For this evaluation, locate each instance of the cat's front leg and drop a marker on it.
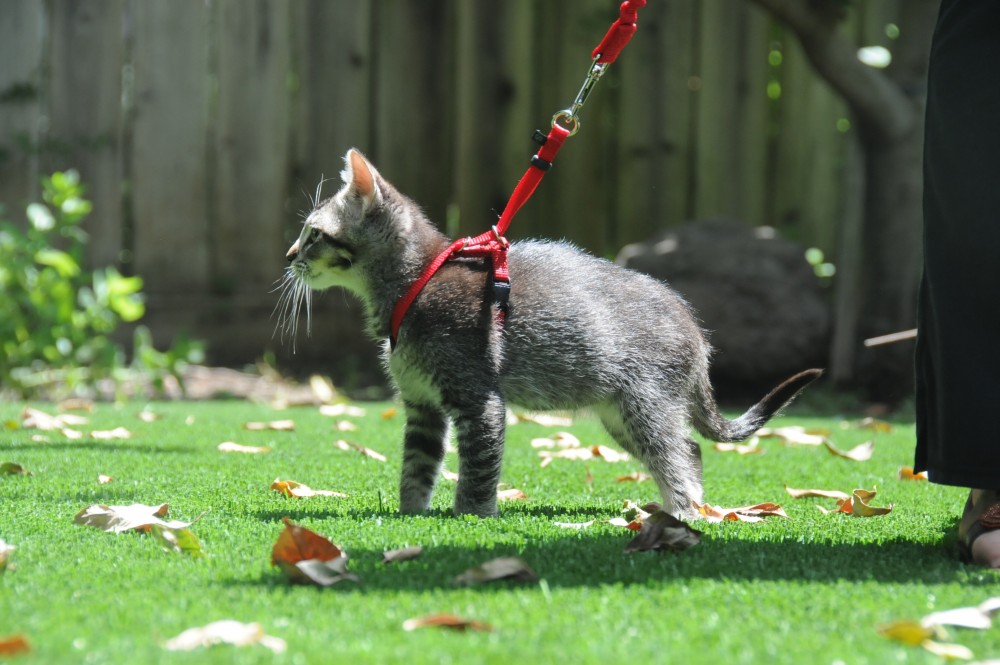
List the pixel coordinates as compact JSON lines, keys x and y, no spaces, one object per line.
{"x":423,"y":452}
{"x":480,"y":427}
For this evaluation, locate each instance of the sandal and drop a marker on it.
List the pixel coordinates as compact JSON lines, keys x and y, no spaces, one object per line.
{"x":981,"y":515}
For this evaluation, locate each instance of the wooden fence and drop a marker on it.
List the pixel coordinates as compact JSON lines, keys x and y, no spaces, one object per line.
{"x":201,"y":125}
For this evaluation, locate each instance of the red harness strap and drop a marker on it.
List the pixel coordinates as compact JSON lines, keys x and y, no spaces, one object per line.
{"x":493,"y":244}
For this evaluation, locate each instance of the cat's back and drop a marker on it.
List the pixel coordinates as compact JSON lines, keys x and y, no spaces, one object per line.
{"x":582,"y":321}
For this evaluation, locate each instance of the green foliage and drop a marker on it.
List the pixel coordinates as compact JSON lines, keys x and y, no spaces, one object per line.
{"x":57,"y":319}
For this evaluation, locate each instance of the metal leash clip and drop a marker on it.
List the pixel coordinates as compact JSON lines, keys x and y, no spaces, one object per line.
{"x":567,"y":118}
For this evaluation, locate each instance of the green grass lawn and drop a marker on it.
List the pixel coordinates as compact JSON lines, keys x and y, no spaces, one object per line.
{"x":809,"y":589}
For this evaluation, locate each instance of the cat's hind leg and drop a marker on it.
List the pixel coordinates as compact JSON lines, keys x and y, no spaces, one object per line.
{"x":656,"y":434}
{"x":423,"y":452}
{"x":480,"y":425}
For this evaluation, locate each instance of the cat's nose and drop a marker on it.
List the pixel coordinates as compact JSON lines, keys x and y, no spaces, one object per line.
{"x":293,"y":251}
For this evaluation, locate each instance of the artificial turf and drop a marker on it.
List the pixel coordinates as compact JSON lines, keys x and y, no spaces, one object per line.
{"x":809,"y":589}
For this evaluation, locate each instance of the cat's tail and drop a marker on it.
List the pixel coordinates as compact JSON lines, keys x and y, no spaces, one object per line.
{"x":710,"y":423}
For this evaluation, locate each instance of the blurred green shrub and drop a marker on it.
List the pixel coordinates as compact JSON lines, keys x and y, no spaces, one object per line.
{"x":56,"y":319}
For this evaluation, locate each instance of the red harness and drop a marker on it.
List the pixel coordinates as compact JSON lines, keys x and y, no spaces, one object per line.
{"x":493,"y":244}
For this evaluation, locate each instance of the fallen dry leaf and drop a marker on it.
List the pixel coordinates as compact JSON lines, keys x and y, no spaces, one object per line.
{"x":823,"y":494}
{"x":147,"y":416}
{"x":511,"y":495}
{"x":504,"y":568}
{"x":116,"y":433}
{"x":603,"y":452}
{"x":575,"y":525}
{"x":609,"y":454}
{"x":232,"y":447}
{"x":353,"y":447}
{"x":449,"y":475}
{"x":446,"y":621}
{"x":663,"y":532}
{"x":291,"y":488}
{"x":13,"y":469}
{"x":755,"y":513}
{"x":322,"y":388}
{"x":308,"y":558}
{"x":13,"y":645}
{"x":389,"y":413}
{"x":795,"y":435}
{"x":634,"y":477}
{"x":543,"y":419}
{"x":857,"y":505}
{"x":873,"y":424}
{"x":859,"y":453}
{"x":557,"y":440}
{"x":274,"y":425}
{"x":751,"y":447}
{"x":225,"y":632}
{"x":118,"y":519}
{"x":345,"y":426}
{"x":35,"y":419}
{"x":979,"y":617}
{"x":103,"y":479}
{"x":906,"y":473}
{"x":633,"y":515}
{"x":182,"y":541}
{"x":914,"y":633}
{"x":339,"y":410}
{"x":402,"y":554}
{"x":76,"y":404}
{"x":5,"y":550}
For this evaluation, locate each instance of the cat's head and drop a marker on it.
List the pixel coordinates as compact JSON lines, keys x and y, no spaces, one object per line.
{"x":336,"y":233}
{"x":351,"y":239}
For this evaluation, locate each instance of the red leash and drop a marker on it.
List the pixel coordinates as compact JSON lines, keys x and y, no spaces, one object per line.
{"x":565,"y":123}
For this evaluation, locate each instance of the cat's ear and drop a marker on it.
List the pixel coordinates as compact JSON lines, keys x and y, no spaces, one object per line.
{"x":361,"y":177}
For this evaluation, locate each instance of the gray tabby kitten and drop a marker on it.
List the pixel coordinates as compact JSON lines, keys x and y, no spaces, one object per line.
{"x":580,"y":332}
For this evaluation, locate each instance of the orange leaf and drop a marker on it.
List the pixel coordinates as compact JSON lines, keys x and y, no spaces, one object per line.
{"x":446,"y":621}
{"x":755,"y":513}
{"x":308,"y":558}
{"x":511,"y":495}
{"x":14,"y":644}
{"x":290,"y":488}
{"x":389,"y":413}
{"x":906,"y":473}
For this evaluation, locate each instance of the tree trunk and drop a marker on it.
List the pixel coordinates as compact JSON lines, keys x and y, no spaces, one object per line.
{"x":881,"y":263}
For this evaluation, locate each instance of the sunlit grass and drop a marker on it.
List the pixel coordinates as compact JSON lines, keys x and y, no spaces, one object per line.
{"x":810,"y":589}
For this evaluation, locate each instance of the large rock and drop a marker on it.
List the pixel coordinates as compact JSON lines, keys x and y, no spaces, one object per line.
{"x":765,"y":311}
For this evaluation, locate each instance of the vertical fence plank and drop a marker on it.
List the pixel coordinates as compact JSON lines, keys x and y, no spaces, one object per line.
{"x":169,"y":146}
{"x":413,"y":87}
{"x":251,"y":146}
{"x":577,"y":199}
{"x":654,"y":143}
{"x":85,"y":112}
{"x":493,"y":108}
{"x":22,"y":24}
{"x":753,"y":117}
{"x":333,"y":105}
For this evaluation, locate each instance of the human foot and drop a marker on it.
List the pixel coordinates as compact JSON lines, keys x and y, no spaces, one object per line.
{"x":979,"y":530}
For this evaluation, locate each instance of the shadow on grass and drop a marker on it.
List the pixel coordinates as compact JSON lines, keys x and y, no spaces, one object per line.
{"x":93,"y":444}
{"x":595,"y":557}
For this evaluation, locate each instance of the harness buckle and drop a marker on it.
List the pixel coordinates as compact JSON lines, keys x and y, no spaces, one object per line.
{"x":501,"y":295}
